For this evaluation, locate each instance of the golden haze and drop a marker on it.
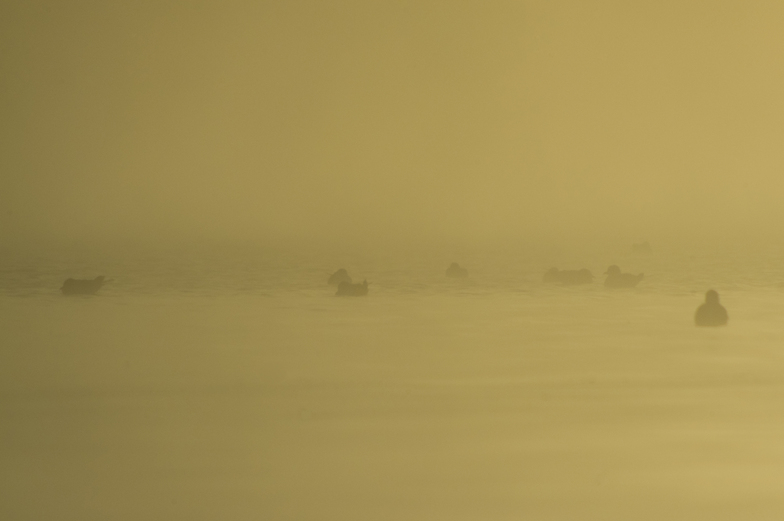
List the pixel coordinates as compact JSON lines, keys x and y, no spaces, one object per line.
{"x":409,"y":119}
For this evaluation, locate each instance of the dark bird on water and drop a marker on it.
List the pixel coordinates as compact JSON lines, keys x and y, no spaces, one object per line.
{"x":568,"y":277}
{"x":82,"y":286}
{"x":347,"y":289}
{"x":616,"y":279}
{"x":339,"y":276}
{"x":456,"y":272}
{"x":711,"y":313}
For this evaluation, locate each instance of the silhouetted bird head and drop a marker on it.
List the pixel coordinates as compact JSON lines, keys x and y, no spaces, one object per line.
{"x":613,"y":270}
{"x":711,"y":297}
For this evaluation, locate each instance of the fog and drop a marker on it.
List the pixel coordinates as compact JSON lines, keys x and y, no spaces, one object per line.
{"x":180,"y":180}
{"x":418,"y":119}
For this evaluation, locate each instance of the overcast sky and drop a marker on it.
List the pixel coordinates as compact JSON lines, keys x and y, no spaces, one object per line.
{"x":394,"y":119}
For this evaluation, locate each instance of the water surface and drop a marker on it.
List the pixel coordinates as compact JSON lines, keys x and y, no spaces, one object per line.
{"x":233,"y":384}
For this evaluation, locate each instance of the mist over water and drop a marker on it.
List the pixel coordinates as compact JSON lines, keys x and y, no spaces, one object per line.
{"x":229,"y":382}
{"x":216,"y":162}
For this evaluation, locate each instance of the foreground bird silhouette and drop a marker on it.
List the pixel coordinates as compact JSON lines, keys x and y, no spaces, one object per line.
{"x":339,"y":276}
{"x":456,"y":272}
{"x":347,"y":289}
{"x":568,"y":277}
{"x":82,"y":286}
{"x":616,"y":279}
{"x":711,"y":313}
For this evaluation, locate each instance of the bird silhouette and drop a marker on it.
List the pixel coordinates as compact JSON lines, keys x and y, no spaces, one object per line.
{"x":711,"y":313}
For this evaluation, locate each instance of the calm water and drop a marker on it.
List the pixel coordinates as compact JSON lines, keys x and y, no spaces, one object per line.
{"x":215,"y":383}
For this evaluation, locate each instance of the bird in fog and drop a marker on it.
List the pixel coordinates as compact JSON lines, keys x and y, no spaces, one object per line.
{"x":456,"y":272}
{"x":347,"y":289}
{"x":568,"y":277}
{"x":711,"y":313}
{"x":616,"y":279}
{"x":82,"y":286}
{"x":339,"y":276}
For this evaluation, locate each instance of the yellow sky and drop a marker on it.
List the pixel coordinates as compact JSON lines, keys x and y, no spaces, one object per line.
{"x":405,"y":119}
